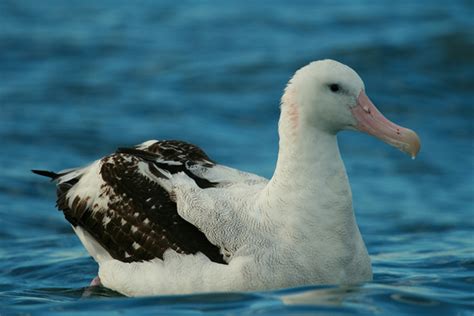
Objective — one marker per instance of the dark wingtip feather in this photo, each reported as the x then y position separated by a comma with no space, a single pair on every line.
44,173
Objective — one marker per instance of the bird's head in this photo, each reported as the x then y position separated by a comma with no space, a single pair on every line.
330,96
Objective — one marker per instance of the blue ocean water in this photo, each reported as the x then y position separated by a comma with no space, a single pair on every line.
81,78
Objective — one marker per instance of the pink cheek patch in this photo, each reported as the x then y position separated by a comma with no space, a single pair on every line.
291,108
293,115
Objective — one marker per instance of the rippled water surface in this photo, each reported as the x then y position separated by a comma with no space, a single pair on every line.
80,78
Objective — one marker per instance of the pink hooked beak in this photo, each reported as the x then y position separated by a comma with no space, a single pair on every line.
371,121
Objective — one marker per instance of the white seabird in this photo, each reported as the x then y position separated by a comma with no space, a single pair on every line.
163,218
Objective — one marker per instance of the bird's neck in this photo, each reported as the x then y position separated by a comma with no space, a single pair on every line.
309,187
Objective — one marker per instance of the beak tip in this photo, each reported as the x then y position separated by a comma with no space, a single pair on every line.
414,144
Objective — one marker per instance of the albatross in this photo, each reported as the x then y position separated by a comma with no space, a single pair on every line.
164,218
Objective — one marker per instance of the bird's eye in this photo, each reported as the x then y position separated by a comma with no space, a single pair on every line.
334,87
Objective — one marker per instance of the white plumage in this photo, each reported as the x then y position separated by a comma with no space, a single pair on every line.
296,228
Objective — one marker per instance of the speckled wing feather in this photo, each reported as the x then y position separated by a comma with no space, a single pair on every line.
123,201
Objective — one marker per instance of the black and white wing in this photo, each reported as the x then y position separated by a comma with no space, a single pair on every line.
123,203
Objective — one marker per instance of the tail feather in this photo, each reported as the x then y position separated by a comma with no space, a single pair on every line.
49,174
